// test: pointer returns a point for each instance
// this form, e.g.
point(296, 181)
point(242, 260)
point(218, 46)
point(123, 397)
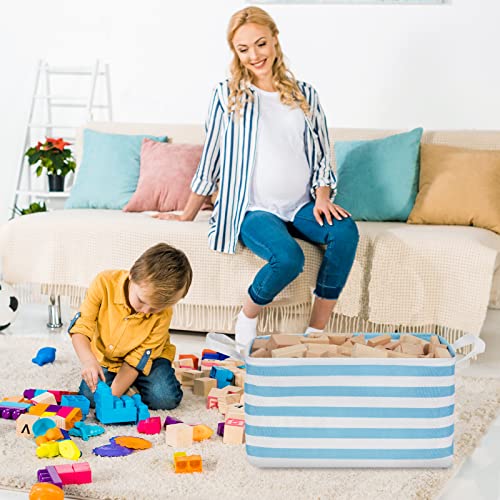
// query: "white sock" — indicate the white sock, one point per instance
point(245, 329)
point(310, 329)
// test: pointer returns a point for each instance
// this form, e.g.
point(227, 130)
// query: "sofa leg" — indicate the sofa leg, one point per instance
point(55, 320)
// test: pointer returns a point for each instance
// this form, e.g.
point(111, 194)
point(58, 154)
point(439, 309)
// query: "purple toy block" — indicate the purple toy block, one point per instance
point(220, 428)
point(171, 420)
point(11, 413)
point(49, 475)
point(54, 408)
point(29, 393)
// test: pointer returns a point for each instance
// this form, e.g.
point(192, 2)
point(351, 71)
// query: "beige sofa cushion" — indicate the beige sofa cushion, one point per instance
point(458, 186)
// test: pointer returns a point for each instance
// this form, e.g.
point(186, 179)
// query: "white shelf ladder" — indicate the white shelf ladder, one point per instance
point(42, 95)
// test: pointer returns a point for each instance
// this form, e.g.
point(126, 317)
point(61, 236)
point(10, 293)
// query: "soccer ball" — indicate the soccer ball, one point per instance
point(8, 305)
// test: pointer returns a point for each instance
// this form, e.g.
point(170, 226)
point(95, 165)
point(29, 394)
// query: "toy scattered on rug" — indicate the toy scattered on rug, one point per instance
point(53, 441)
point(45, 355)
point(151, 425)
point(12, 410)
point(9, 305)
point(86, 431)
point(31, 393)
point(61, 475)
point(185, 464)
point(181, 435)
point(111, 409)
point(120, 446)
point(348, 345)
point(46, 491)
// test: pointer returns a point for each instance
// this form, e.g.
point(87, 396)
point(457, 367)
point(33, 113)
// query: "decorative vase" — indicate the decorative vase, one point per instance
point(56, 182)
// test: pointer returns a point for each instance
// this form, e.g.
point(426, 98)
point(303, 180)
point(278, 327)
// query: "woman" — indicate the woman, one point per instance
point(267, 147)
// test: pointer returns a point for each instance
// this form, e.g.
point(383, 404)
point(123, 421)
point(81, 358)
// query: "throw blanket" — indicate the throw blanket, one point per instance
point(405, 277)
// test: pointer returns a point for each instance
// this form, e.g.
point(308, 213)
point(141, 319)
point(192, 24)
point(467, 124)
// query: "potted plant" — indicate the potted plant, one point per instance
point(55, 157)
point(34, 208)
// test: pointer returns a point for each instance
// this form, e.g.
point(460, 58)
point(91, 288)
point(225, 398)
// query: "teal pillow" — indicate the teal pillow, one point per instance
point(108, 174)
point(378, 180)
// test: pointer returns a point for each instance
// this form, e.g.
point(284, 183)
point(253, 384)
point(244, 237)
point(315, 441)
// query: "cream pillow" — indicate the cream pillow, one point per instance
point(458, 186)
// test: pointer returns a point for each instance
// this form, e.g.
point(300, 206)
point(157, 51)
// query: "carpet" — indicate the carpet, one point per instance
point(227, 475)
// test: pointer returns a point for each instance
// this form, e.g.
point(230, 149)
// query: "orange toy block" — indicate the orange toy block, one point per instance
point(179, 435)
point(185, 464)
point(186, 363)
point(183, 357)
point(38, 410)
point(234, 431)
point(201, 432)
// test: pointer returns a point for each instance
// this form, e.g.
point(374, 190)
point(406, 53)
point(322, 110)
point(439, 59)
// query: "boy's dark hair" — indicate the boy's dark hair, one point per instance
point(165, 271)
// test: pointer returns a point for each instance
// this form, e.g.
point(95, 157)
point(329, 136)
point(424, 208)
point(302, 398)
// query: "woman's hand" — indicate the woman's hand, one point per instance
point(170, 216)
point(92, 372)
point(324, 206)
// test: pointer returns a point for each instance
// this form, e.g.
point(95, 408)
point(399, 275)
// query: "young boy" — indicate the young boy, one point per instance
point(121, 332)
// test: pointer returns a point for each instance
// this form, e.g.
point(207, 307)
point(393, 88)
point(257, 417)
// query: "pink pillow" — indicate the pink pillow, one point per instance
point(165, 177)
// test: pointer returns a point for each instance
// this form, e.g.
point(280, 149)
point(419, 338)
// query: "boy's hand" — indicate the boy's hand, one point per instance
point(91, 373)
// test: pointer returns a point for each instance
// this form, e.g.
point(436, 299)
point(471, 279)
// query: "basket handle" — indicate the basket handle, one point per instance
point(478, 346)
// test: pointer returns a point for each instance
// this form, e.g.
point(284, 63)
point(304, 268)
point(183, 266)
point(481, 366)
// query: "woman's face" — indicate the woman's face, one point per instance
point(256, 49)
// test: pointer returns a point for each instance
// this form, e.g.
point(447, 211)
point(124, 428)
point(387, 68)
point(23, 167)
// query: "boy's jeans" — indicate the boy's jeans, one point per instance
point(271, 238)
point(160, 390)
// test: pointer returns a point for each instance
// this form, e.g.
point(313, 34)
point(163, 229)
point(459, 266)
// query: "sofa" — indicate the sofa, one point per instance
point(406, 277)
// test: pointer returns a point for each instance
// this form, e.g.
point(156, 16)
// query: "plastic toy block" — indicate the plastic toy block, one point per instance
point(132, 442)
point(171, 420)
point(234, 431)
point(45, 355)
point(202, 386)
point(42, 425)
point(24, 425)
point(77, 401)
point(53, 434)
point(202, 432)
point(189, 356)
point(113, 410)
point(188, 464)
point(74, 416)
point(209, 354)
point(150, 425)
point(14, 399)
point(223, 376)
point(52, 409)
point(49, 449)
point(68, 449)
point(11, 412)
point(44, 398)
point(49, 475)
point(179, 435)
point(220, 428)
point(86, 431)
point(46, 491)
point(38, 409)
point(78, 473)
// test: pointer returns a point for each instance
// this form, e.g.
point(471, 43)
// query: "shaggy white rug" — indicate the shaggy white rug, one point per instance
point(227, 475)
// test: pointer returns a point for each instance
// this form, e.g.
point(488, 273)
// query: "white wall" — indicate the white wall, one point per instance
point(375, 66)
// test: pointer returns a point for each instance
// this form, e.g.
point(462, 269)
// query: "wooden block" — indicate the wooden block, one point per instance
point(239, 378)
point(380, 340)
point(392, 345)
point(293, 351)
point(186, 363)
point(430, 355)
point(259, 343)
point(179, 435)
point(440, 352)
point(358, 339)
point(414, 349)
point(337, 339)
point(213, 396)
point(411, 339)
point(331, 352)
point(227, 399)
point(316, 350)
point(435, 340)
point(203, 385)
point(261, 353)
point(315, 339)
point(234, 431)
point(235, 410)
point(189, 376)
point(24, 425)
point(205, 371)
point(346, 349)
point(234, 389)
point(364, 351)
point(279, 341)
point(395, 354)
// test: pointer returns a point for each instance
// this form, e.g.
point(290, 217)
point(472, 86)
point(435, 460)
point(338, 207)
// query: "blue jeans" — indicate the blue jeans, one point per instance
point(272, 239)
point(160, 390)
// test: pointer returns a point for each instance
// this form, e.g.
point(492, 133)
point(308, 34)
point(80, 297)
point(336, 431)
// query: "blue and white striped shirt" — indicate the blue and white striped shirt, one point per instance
point(229, 155)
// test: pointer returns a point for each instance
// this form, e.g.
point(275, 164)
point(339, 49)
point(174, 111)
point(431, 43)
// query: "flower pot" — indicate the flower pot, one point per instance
point(56, 182)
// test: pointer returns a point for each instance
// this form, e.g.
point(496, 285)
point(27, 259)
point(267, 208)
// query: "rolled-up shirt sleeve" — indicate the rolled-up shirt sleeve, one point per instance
point(207, 174)
point(85, 321)
point(141, 358)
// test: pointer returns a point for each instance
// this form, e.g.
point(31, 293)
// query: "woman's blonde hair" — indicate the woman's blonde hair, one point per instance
point(283, 78)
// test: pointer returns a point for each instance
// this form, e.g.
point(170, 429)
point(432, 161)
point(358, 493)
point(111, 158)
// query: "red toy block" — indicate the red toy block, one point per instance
point(78, 473)
point(189, 356)
point(64, 411)
point(151, 425)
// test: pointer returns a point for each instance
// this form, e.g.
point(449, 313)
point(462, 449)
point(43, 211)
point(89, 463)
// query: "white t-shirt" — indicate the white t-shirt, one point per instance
point(281, 178)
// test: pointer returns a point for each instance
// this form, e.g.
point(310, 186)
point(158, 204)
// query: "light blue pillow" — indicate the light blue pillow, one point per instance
point(378, 180)
point(109, 172)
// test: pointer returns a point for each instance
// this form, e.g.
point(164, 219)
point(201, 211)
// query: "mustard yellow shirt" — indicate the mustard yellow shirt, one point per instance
point(115, 333)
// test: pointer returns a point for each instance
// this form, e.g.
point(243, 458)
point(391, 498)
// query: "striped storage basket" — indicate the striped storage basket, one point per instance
point(352, 412)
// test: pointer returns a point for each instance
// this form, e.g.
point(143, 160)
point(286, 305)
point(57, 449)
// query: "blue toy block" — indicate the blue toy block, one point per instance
point(110, 409)
point(223, 376)
point(86, 431)
point(45, 355)
point(77, 402)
